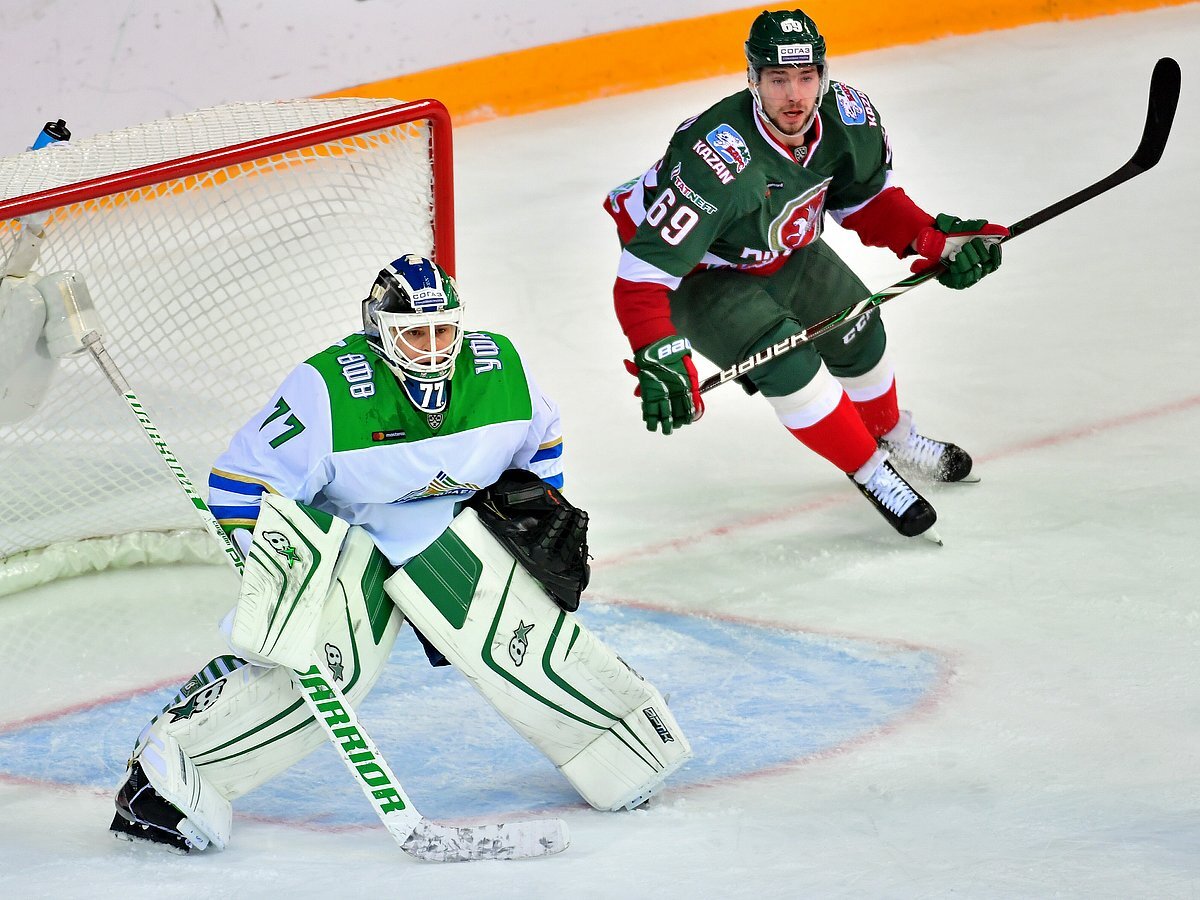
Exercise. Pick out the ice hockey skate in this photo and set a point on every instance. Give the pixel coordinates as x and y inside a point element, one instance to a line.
<point>143,815</point>
<point>925,458</point>
<point>905,510</point>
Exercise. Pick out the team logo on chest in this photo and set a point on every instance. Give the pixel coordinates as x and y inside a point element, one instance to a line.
<point>435,421</point>
<point>441,485</point>
<point>799,223</point>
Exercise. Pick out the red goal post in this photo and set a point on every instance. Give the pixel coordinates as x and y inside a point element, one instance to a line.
<point>221,248</point>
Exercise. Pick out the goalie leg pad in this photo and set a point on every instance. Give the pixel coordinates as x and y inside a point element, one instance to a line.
<point>631,761</point>
<point>242,724</point>
<point>558,685</point>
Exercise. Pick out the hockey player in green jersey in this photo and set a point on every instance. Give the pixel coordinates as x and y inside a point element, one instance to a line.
<point>385,437</point>
<point>372,425</point>
<point>722,252</point>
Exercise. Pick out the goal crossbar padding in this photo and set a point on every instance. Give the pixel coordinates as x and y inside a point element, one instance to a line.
<point>221,248</point>
<point>541,668</point>
<point>242,724</point>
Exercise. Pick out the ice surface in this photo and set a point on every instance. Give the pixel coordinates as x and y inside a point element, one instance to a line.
<point>1055,750</point>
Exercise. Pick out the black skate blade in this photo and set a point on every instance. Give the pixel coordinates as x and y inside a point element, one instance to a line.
<point>124,830</point>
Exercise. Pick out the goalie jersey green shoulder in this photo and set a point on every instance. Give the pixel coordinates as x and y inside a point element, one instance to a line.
<point>341,435</point>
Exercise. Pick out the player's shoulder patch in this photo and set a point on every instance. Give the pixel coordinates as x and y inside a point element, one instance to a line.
<point>729,145</point>
<point>854,106</point>
<point>717,137</point>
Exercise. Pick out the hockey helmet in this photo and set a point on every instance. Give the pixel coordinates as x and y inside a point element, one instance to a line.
<point>785,38</point>
<point>411,299</point>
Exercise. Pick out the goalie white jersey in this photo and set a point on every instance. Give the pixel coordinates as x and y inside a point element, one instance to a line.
<point>341,435</point>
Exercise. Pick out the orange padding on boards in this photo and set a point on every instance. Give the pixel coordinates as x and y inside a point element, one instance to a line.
<point>652,56</point>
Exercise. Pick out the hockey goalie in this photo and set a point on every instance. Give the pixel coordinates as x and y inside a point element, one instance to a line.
<point>410,472</point>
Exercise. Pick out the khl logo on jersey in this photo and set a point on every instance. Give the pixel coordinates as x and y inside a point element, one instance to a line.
<point>729,146</point>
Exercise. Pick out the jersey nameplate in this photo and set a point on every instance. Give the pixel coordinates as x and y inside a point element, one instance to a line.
<point>486,352</point>
<point>358,374</point>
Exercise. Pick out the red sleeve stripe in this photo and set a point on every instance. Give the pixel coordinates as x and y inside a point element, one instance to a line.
<point>644,311</point>
<point>889,219</point>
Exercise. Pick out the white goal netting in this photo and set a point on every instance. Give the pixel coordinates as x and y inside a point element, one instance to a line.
<point>212,278</point>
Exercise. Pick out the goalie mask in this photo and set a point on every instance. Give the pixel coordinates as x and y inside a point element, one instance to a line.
<point>784,38</point>
<point>413,319</point>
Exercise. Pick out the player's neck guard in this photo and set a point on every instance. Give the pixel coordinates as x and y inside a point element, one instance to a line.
<point>429,396</point>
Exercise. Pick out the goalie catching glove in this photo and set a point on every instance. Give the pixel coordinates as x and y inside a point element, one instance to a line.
<point>537,525</point>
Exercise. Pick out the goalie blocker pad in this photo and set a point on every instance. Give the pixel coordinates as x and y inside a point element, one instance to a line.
<point>606,729</point>
<point>286,577</point>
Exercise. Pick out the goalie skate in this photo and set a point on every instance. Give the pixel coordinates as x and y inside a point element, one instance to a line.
<point>895,499</point>
<point>143,815</point>
<point>917,456</point>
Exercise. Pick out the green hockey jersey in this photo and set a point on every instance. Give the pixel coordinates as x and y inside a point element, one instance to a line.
<point>341,435</point>
<point>728,192</point>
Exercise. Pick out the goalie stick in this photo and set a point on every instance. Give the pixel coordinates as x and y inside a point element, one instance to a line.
<point>1164,97</point>
<point>417,835</point>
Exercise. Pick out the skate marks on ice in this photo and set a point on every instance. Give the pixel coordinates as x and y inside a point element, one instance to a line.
<point>751,698</point>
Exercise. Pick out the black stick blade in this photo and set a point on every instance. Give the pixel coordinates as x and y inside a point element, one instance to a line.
<point>1164,97</point>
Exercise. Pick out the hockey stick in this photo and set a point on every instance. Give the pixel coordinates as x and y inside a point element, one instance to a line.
<point>1164,97</point>
<point>417,836</point>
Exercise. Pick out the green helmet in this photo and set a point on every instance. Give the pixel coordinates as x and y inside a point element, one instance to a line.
<point>785,38</point>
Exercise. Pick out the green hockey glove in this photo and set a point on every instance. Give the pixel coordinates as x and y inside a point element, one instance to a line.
<point>667,384</point>
<point>969,248</point>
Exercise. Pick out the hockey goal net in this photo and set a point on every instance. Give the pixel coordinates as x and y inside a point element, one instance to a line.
<point>221,248</point>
